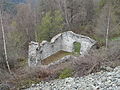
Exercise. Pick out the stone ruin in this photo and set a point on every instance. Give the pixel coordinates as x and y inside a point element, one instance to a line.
<point>63,41</point>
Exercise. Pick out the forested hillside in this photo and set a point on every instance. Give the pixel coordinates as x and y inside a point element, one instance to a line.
<point>22,21</point>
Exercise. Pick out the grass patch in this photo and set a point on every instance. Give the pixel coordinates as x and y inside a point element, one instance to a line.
<point>21,62</point>
<point>115,38</point>
<point>100,40</point>
<point>77,47</point>
<point>65,73</point>
<point>26,83</point>
<point>55,57</point>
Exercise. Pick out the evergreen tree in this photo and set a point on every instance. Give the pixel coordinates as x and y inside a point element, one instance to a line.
<point>52,23</point>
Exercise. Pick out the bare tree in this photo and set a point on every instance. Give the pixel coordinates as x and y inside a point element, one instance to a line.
<point>108,26</point>
<point>103,24</point>
<point>4,41</point>
<point>76,12</point>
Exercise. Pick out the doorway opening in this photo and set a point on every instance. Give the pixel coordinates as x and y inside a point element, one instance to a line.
<point>76,47</point>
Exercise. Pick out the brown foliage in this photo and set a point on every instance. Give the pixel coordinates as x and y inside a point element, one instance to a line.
<point>101,57</point>
<point>86,65</point>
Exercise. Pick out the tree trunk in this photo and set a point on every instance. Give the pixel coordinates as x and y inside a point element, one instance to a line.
<point>108,27</point>
<point>4,42</point>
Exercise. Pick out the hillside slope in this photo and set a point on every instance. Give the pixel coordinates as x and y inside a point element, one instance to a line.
<point>97,81</point>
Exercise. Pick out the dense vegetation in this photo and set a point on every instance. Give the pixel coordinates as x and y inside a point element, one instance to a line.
<point>36,20</point>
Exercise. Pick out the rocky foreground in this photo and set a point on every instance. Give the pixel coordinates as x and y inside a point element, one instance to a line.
<point>98,81</point>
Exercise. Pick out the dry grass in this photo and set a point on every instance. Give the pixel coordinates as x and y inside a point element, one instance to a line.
<point>55,57</point>
<point>86,65</point>
<point>102,57</point>
<point>25,77</point>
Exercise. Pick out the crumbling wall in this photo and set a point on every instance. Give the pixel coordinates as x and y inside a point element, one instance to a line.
<point>63,41</point>
<point>32,53</point>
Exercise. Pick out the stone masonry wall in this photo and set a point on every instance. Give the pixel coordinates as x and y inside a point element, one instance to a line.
<point>63,41</point>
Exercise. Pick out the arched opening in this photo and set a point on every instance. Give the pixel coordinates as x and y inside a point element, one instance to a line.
<point>76,47</point>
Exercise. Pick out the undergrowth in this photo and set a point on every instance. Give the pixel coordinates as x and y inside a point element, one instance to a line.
<point>65,73</point>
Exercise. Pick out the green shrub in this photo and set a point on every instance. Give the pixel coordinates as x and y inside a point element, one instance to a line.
<point>100,40</point>
<point>66,73</point>
<point>21,62</point>
<point>102,3</point>
<point>77,47</point>
<point>51,24</point>
<point>115,38</point>
<point>26,83</point>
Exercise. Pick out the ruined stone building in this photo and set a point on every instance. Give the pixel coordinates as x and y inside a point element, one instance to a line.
<point>63,41</point>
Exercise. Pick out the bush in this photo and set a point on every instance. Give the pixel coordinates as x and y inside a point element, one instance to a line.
<point>77,47</point>
<point>4,87</point>
<point>114,53</point>
<point>21,62</point>
<point>51,24</point>
<point>26,83</point>
<point>86,65</point>
<point>96,59</point>
<point>102,3</point>
<point>66,73</point>
<point>25,77</point>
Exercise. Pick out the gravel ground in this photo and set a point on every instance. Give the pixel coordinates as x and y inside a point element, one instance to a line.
<point>96,81</point>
